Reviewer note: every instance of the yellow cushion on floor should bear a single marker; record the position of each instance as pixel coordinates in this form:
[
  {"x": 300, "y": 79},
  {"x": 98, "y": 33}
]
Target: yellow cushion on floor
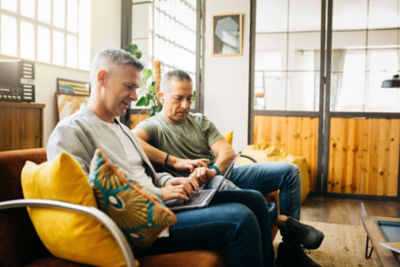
[
  {"x": 265, "y": 153},
  {"x": 66, "y": 234}
]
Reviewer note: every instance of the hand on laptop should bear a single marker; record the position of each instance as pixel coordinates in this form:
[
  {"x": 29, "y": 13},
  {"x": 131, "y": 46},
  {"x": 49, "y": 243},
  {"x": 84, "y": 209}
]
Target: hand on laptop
[
  {"x": 187, "y": 164},
  {"x": 203, "y": 174},
  {"x": 179, "y": 187}
]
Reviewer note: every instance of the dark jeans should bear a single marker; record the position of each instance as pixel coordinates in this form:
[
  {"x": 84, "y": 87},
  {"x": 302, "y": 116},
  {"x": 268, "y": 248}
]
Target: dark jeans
[
  {"x": 236, "y": 222},
  {"x": 267, "y": 177}
]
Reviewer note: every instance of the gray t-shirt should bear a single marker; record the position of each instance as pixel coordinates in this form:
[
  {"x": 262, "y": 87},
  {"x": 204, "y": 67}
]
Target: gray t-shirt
[{"x": 189, "y": 139}]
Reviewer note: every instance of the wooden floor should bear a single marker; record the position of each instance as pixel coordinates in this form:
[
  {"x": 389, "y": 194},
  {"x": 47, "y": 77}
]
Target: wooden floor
[{"x": 345, "y": 211}]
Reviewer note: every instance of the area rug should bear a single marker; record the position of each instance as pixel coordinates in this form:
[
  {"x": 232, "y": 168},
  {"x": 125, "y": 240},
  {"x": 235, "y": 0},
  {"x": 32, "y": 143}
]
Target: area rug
[{"x": 344, "y": 245}]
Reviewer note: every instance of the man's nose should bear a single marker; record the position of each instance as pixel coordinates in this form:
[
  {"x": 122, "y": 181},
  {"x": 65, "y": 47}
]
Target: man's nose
[
  {"x": 133, "y": 95},
  {"x": 185, "y": 104}
]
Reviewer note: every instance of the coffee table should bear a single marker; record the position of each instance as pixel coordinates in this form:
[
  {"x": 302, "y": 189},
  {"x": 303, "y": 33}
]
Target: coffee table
[{"x": 375, "y": 237}]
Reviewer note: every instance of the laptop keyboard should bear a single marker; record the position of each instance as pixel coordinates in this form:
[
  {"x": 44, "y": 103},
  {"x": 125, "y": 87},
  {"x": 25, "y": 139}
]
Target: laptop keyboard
[{"x": 196, "y": 198}]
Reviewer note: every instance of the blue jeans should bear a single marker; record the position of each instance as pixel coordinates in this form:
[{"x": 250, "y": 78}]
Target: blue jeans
[
  {"x": 267, "y": 177},
  {"x": 236, "y": 222}
]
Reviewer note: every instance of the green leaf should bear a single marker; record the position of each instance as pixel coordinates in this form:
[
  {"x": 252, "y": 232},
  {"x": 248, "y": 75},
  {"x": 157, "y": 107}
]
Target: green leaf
[
  {"x": 152, "y": 89},
  {"x": 146, "y": 73},
  {"x": 131, "y": 48},
  {"x": 194, "y": 95},
  {"x": 138, "y": 54},
  {"x": 154, "y": 110},
  {"x": 143, "y": 101}
]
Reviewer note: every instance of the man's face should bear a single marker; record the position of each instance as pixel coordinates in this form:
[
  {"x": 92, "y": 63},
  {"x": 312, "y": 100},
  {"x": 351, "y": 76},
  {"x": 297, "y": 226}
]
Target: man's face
[
  {"x": 119, "y": 89},
  {"x": 177, "y": 100}
]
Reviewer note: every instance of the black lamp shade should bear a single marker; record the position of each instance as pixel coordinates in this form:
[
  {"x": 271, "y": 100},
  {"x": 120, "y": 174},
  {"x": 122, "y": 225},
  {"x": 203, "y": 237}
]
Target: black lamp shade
[{"x": 392, "y": 83}]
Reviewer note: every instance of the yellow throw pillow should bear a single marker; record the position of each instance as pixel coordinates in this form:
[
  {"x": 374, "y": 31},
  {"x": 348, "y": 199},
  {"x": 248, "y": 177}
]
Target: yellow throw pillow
[
  {"x": 228, "y": 137},
  {"x": 140, "y": 215},
  {"x": 68, "y": 235}
]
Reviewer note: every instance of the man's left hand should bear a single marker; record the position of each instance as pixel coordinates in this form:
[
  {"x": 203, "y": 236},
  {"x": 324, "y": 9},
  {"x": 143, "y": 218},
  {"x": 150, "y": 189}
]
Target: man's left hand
[
  {"x": 203, "y": 174},
  {"x": 188, "y": 164}
]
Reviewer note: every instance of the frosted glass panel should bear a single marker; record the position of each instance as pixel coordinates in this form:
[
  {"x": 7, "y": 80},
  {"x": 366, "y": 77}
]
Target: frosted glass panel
[
  {"x": 8, "y": 36},
  {"x": 304, "y": 51},
  {"x": 72, "y": 15},
  {"x": 349, "y": 14},
  {"x": 59, "y": 13},
  {"x": 43, "y": 48},
  {"x": 10, "y": 5},
  {"x": 305, "y": 15},
  {"x": 383, "y": 14},
  {"x": 44, "y": 11},
  {"x": 287, "y": 57},
  {"x": 58, "y": 48},
  {"x": 27, "y": 44},
  {"x": 27, "y": 8},
  {"x": 72, "y": 51},
  {"x": 271, "y": 15}
]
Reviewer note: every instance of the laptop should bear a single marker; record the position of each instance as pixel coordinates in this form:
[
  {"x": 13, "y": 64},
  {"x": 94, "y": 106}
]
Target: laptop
[{"x": 201, "y": 198}]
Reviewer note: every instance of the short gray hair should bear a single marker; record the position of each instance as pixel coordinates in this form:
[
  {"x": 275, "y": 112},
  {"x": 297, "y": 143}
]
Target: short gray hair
[
  {"x": 112, "y": 56},
  {"x": 180, "y": 75}
]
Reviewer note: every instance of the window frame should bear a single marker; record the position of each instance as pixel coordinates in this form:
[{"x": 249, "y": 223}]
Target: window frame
[
  {"x": 126, "y": 38},
  {"x": 36, "y": 23}
]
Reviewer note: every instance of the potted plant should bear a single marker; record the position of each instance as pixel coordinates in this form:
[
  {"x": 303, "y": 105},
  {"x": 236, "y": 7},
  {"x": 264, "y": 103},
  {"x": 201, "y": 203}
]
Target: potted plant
[{"x": 147, "y": 84}]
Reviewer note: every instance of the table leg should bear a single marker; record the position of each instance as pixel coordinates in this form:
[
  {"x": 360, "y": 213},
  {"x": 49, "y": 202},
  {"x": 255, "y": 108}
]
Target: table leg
[{"x": 368, "y": 253}]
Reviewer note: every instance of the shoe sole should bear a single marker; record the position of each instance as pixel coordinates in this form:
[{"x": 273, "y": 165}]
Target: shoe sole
[{"x": 314, "y": 244}]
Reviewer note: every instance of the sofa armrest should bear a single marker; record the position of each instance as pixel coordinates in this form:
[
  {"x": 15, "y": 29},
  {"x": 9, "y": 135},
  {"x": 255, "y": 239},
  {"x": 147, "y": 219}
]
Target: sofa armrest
[{"x": 91, "y": 211}]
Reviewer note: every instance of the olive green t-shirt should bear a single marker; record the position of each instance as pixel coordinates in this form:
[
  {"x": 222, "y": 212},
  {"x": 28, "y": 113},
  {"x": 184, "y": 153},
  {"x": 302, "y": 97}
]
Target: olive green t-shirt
[{"x": 189, "y": 139}]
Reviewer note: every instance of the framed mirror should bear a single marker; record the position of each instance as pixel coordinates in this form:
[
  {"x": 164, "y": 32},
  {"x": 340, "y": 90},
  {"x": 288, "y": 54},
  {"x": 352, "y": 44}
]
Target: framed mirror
[{"x": 227, "y": 34}]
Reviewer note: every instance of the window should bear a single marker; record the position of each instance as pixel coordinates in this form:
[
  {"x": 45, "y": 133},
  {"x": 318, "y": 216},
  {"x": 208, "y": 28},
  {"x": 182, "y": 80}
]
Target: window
[
  {"x": 49, "y": 31},
  {"x": 287, "y": 55},
  {"x": 365, "y": 52},
  {"x": 166, "y": 30}
]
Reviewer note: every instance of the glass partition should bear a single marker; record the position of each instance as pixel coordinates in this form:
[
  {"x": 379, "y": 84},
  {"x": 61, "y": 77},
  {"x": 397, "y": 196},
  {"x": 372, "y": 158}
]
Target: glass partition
[{"x": 287, "y": 55}]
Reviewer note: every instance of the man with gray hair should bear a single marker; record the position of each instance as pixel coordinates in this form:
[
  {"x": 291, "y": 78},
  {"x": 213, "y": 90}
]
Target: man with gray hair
[
  {"x": 236, "y": 221},
  {"x": 174, "y": 136}
]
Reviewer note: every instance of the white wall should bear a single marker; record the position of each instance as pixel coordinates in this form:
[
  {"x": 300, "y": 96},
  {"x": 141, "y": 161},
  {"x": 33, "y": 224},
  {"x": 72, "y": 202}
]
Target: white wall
[
  {"x": 45, "y": 88},
  {"x": 106, "y": 32},
  {"x": 226, "y": 79},
  {"x": 106, "y": 25}
]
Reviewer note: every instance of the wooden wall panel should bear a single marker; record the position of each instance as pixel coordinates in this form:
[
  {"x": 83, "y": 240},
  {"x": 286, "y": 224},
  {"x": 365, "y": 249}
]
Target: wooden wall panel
[
  {"x": 295, "y": 135},
  {"x": 364, "y": 156},
  {"x": 136, "y": 118}
]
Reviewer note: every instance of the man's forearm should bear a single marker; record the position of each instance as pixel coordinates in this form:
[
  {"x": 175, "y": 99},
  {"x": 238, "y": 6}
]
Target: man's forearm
[
  {"x": 224, "y": 159},
  {"x": 155, "y": 155}
]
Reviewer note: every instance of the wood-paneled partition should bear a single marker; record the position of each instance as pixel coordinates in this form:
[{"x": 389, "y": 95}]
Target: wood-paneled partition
[
  {"x": 364, "y": 156},
  {"x": 295, "y": 135},
  {"x": 136, "y": 118}
]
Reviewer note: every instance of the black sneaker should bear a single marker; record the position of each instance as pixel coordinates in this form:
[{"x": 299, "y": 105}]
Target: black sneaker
[
  {"x": 292, "y": 255},
  {"x": 308, "y": 236}
]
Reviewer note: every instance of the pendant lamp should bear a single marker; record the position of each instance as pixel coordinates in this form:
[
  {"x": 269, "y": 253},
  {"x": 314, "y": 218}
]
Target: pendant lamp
[{"x": 392, "y": 83}]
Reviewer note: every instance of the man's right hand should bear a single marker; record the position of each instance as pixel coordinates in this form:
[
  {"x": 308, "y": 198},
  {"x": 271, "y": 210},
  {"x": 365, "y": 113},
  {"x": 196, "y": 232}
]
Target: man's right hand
[{"x": 179, "y": 187}]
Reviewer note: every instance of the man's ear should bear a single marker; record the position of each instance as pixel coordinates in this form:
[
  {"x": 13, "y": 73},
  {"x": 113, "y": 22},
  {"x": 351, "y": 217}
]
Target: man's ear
[
  {"x": 101, "y": 77},
  {"x": 160, "y": 96}
]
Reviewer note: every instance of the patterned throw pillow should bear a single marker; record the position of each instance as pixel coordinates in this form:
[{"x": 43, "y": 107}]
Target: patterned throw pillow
[{"x": 140, "y": 215}]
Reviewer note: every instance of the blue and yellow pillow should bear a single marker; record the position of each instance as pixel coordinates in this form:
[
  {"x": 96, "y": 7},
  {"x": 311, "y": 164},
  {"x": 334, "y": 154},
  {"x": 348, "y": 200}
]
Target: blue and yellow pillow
[{"x": 140, "y": 215}]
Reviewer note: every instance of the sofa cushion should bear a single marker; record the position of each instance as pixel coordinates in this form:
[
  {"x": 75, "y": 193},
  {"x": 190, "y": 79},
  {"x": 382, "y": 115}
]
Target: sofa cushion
[
  {"x": 228, "y": 136},
  {"x": 68, "y": 235},
  {"x": 140, "y": 215}
]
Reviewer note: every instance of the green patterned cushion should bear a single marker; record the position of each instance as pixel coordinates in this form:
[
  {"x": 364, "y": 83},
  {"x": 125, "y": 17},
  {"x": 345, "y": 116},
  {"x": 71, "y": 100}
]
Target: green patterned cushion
[{"x": 140, "y": 215}]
